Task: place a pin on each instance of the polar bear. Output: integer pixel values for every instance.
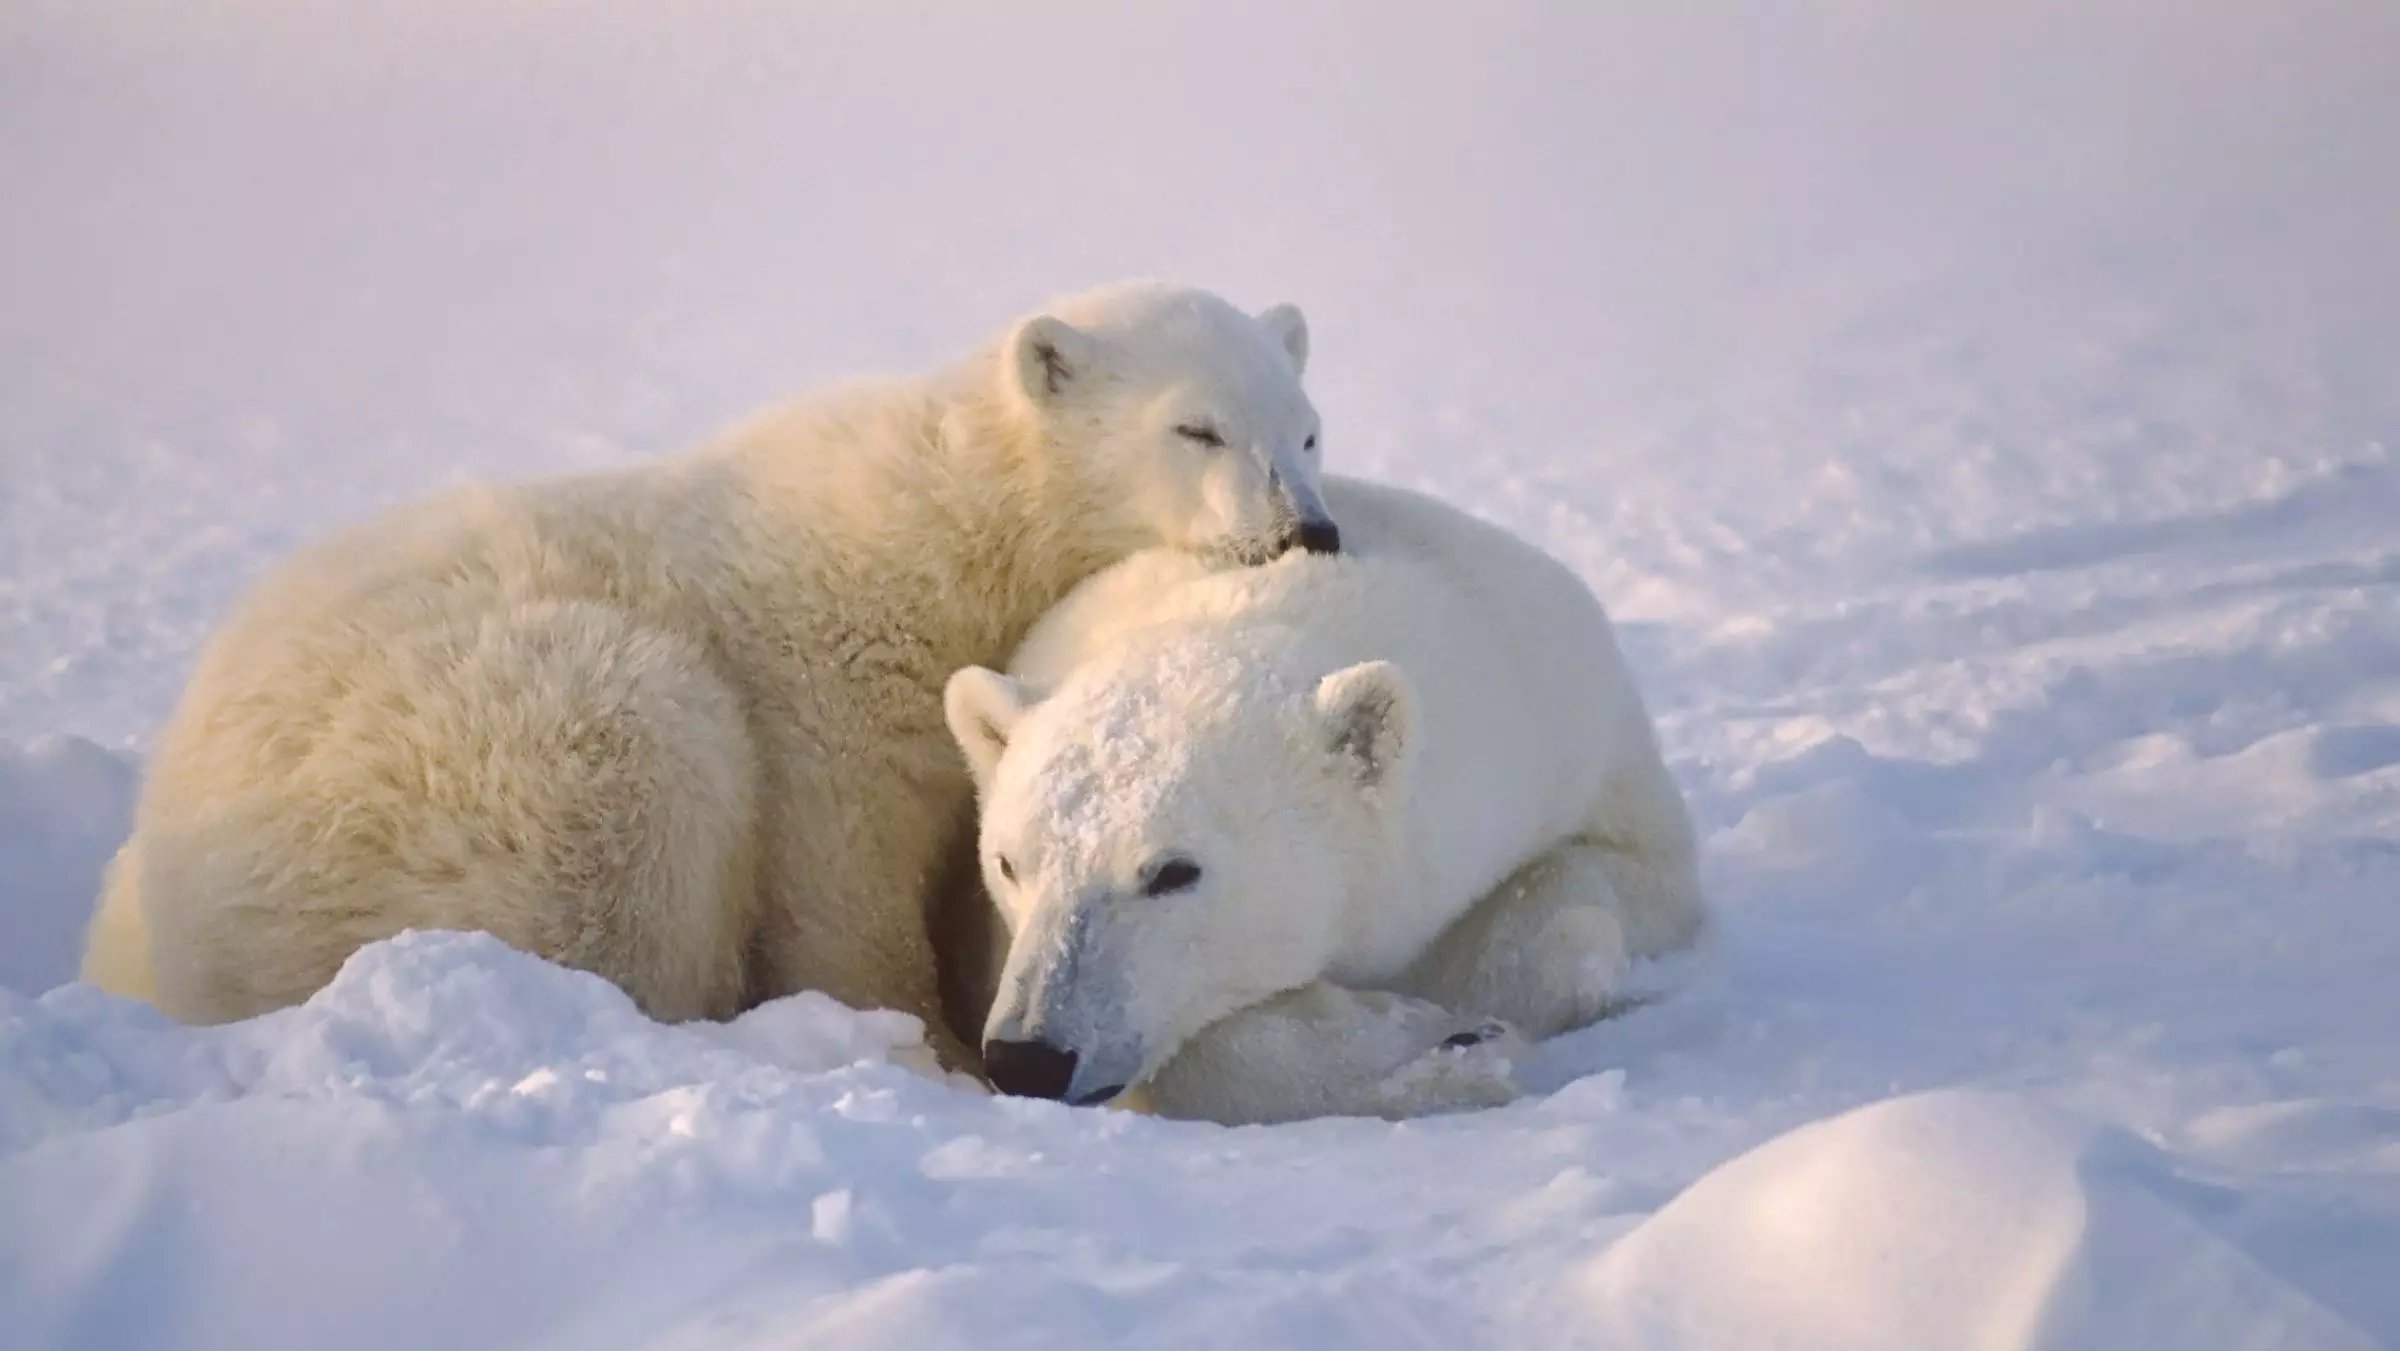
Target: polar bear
(1327, 836)
(682, 725)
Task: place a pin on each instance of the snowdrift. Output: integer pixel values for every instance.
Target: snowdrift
(1957, 1218)
(456, 1144)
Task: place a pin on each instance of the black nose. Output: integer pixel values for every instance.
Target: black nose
(1028, 1069)
(1320, 537)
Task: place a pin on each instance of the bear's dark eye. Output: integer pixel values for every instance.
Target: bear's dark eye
(1200, 432)
(1176, 874)
(1310, 443)
(1008, 870)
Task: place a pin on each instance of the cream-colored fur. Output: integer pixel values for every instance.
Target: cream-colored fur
(682, 725)
(1331, 835)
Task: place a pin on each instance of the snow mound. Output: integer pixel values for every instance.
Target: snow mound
(435, 1022)
(1950, 1218)
(65, 805)
(449, 1115)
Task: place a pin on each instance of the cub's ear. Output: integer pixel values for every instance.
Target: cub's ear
(1368, 715)
(1046, 357)
(1290, 328)
(982, 707)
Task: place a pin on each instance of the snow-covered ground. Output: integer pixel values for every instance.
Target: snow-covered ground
(1981, 416)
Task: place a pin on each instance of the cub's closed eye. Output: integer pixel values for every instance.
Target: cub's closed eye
(1200, 432)
(1008, 870)
(1176, 874)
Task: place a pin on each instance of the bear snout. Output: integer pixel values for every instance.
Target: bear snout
(1029, 1069)
(1320, 537)
(1037, 1069)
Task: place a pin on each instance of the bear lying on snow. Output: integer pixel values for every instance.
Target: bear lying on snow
(682, 726)
(1285, 841)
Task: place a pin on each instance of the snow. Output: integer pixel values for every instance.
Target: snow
(1850, 1232)
(64, 805)
(1979, 417)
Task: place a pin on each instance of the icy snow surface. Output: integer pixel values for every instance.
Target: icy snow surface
(1980, 415)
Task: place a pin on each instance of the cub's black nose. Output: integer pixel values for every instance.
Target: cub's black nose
(1028, 1069)
(1320, 537)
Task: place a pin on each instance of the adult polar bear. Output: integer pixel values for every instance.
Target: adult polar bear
(1277, 842)
(682, 725)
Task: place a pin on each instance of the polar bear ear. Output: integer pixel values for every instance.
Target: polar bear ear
(1046, 357)
(1369, 716)
(1290, 328)
(982, 707)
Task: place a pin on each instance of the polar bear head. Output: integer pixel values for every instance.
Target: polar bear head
(1175, 833)
(1185, 415)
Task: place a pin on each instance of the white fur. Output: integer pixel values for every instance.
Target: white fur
(681, 725)
(1420, 787)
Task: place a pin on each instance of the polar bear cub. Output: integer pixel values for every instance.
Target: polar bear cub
(681, 725)
(1320, 837)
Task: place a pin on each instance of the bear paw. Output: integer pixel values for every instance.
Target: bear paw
(1490, 1030)
(1470, 1069)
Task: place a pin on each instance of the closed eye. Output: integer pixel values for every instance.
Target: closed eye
(1200, 432)
(1175, 874)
